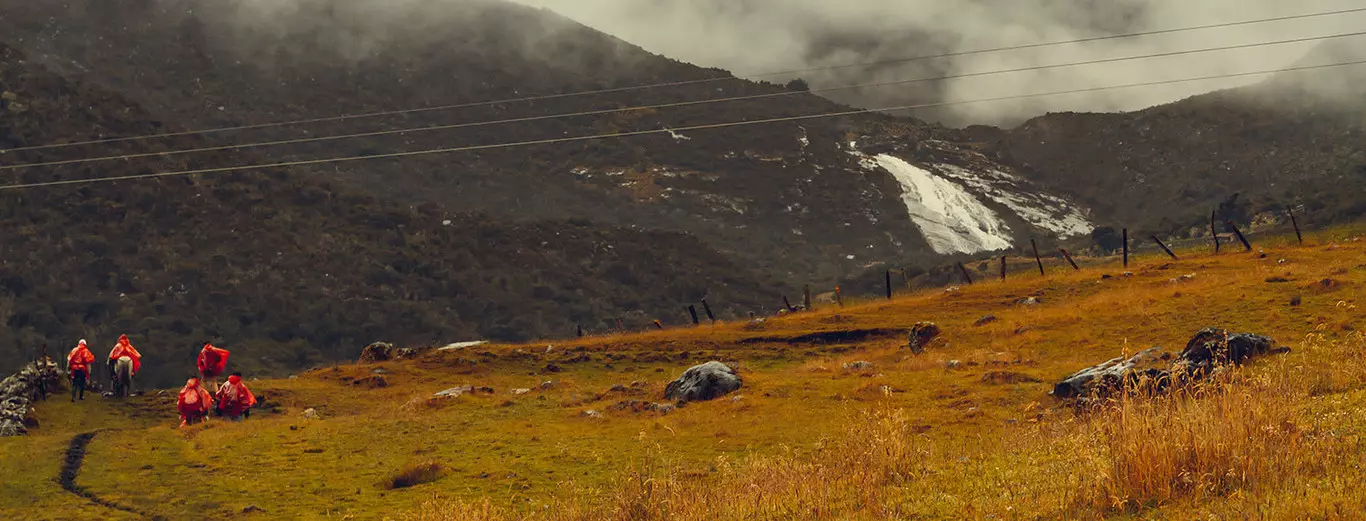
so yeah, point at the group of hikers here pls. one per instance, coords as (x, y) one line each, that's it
(197, 399)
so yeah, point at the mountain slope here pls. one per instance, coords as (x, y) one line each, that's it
(1296, 139)
(289, 272)
(785, 197)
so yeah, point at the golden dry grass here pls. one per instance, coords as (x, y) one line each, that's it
(914, 437)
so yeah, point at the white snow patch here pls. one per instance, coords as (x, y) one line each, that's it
(1044, 211)
(462, 345)
(677, 136)
(952, 220)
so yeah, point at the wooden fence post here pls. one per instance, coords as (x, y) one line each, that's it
(889, 284)
(1034, 245)
(1003, 268)
(788, 304)
(1164, 247)
(839, 297)
(658, 325)
(707, 307)
(1068, 256)
(964, 270)
(806, 296)
(580, 327)
(1239, 234)
(1213, 232)
(692, 310)
(1126, 248)
(1296, 224)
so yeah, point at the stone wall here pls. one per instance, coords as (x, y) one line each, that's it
(20, 390)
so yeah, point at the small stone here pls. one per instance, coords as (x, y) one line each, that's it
(986, 319)
(1295, 301)
(547, 385)
(591, 413)
(858, 365)
(311, 414)
(1106, 276)
(1029, 301)
(618, 388)
(519, 392)
(454, 391)
(952, 364)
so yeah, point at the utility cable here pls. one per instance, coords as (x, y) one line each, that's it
(631, 88)
(317, 139)
(648, 132)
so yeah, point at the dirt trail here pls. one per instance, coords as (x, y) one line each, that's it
(71, 467)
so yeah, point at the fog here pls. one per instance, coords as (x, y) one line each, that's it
(755, 37)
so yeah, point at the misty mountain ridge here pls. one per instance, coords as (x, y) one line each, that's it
(740, 212)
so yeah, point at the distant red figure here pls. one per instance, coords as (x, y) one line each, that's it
(234, 399)
(194, 403)
(212, 361)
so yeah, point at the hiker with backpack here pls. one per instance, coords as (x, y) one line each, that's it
(194, 403)
(78, 368)
(212, 361)
(234, 399)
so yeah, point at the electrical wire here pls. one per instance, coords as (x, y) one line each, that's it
(395, 155)
(956, 54)
(317, 139)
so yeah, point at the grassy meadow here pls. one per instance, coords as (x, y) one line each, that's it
(965, 430)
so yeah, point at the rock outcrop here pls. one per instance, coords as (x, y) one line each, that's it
(703, 382)
(1152, 370)
(384, 351)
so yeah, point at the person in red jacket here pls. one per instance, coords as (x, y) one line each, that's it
(124, 349)
(212, 361)
(78, 368)
(194, 403)
(234, 399)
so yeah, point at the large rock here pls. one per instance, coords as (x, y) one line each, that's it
(384, 351)
(703, 382)
(1104, 377)
(1154, 371)
(921, 335)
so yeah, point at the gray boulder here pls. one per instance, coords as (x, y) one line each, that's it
(1109, 375)
(703, 382)
(1152, 370)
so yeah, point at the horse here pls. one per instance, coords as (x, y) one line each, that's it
(123, 376)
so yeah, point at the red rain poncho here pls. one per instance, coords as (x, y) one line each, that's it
(194, 401)
(234, 398)
(125, 348)
(80, 359)
(212, 361)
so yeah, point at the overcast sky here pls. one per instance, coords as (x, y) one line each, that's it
(752, 37)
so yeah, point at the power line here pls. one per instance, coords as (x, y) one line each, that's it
(658, 131)
(317, 139)
(955, 54)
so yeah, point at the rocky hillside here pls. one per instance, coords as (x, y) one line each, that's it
(1296, 139)
(289, 271)
(806, 200)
